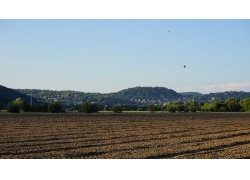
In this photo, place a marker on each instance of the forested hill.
(148, 93)
(137, 95)
(217, 96)
(8, 95)
(190, 93)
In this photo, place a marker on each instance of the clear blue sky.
(110, 55)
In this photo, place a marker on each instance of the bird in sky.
(168, 31)
(184, 66)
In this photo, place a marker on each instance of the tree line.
(229, 105)
(19, 105)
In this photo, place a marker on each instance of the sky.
(106, 56)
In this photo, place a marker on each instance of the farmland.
(125, 135)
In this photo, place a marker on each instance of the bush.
(25, 107)
(210, 106)
(198, 108)
(44, 107)
(116, 108)
(1, 106)
(186, 110)
(55, 107)
(152, 108)
(180, 108)
(88, 107)
(233, 105)
(13, 108)
(245, 103)
(193, 109)
(163, 108)
(19, 104)
(171, 109)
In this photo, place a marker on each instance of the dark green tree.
(222, 106)
(1, 106)
(180, 108)
(245, 104)
(152, 107)
(198, 108)
(44, 107)
(163, 108)
(55, 107)
(171, 109)
(24, 106)
(210, 106)
(88, 107)
(13, 108)
(193, 109)
(233, 104)
(117, 108)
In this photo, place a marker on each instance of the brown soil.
(101, 136)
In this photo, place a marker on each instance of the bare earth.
(125, 135)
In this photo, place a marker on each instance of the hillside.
(151, 93)
(223, 95)
(8, 95)
(190, 93)
(137, 95)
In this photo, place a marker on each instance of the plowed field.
(149, 135)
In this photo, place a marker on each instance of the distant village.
(135, 96)
(76, 101)
(63, 100)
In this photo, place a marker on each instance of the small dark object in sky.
(168, 31)
(184, 66)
